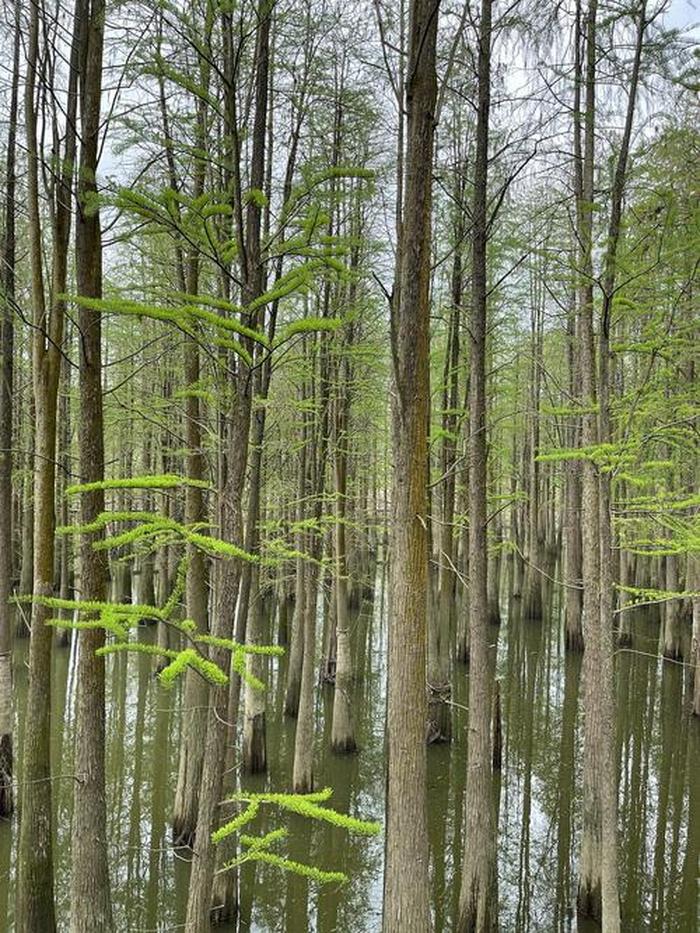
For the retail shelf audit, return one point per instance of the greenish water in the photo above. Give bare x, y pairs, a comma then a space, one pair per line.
659, 755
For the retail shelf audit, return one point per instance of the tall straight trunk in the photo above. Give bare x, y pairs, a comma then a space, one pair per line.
65, 556
202, 876
406, 905
597, 891
672, 613
184, 820
254, 731
478, 902
91, 904
302, 772
572, 513
694, 583
7, 313
35, 912
26, 578
590, 867
343, 726
296, 652
440, 618
228, 581
250, 604
598, 888
573, 557
196, 606
532, 584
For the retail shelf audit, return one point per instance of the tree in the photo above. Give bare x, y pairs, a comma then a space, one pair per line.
91, 902
406, 907
6, 429
35, 902
477, 899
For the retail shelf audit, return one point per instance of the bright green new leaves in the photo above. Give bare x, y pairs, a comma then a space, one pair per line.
166, 481
151, 525
646, 596
257, 848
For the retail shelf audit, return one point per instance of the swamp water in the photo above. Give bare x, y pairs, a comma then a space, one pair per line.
659, 756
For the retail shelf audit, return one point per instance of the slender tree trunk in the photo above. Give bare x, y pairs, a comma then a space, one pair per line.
6, 378
26, 579
91, 905
296, 653
597, 891
202, 876
406, 905
302, 777
197, 583
478, 902
35, 912
440, 619
343, 726
694, 581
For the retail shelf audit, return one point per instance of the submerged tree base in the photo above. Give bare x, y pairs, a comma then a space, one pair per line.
6, 798
574, 639
344, 746
479, 913
254, 745
183, 835
439, 724
589, 901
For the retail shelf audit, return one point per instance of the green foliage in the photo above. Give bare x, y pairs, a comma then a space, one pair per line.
307, 805
257, 848
647, 596
166, 481
152, 524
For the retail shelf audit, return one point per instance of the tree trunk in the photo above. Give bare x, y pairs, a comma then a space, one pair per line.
597, 891
35, 912
202, 876
91, 905
406, 906
694, 581
478, 902
296, 652
343, 727
6, 378
197, 583
672, 613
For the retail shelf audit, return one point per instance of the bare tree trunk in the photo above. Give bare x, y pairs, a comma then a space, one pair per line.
597, 892
26, 579
532, 584
197, 583
672, 613
302, 777
441, 615
478, 902
296, 653
406, 905
694, 582
91, 905
35, 912
202, 876
6, 378
573, 557
343, 727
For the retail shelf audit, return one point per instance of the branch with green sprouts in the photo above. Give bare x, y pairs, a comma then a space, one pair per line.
257, 848
118, 619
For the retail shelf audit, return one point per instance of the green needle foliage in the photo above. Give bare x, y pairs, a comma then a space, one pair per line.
166, 481
257, 848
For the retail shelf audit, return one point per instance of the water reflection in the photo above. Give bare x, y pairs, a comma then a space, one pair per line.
658, 745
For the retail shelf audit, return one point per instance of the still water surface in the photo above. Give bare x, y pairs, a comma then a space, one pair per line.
659, 754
